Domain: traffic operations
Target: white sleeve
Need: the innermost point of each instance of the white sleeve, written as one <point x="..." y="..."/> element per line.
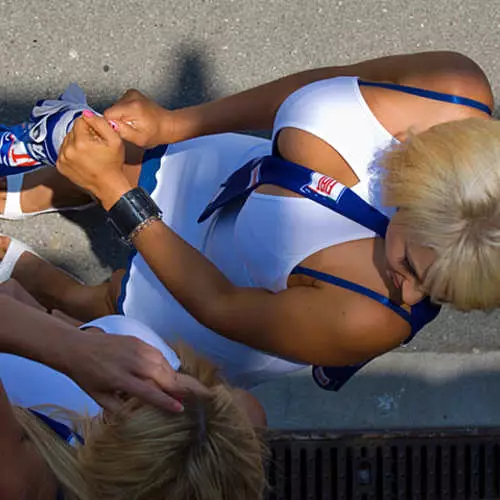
<point x="29" y="383"/>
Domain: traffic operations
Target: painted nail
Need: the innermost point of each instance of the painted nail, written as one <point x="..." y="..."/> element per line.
<point x="113" y="124"/>
<point x="178" y="407"/>
<point x="87" y="113"/>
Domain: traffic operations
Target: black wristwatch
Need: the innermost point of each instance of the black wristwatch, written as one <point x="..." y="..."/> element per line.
<point x="132" y="211"/>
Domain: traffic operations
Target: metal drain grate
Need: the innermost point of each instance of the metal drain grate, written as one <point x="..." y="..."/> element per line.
<point x="410" y="465"/>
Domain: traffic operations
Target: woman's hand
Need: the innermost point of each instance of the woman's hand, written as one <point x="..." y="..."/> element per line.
<point x="111" y="368"/>
<point x="141" y="121"/>
<point x="92" y="156"/>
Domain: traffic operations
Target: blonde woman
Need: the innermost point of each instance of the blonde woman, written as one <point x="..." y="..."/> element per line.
<point x="297" y="264"/>
<point x="56" y="443"/>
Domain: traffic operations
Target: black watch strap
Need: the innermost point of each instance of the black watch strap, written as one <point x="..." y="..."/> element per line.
<point x="132" y="210"/>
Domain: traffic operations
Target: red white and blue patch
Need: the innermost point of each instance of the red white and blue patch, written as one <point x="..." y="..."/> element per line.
<point x="326" y="186"/>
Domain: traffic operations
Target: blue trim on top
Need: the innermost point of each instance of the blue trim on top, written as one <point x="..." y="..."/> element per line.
<point x="318" y="188"/>
<point x="62" y="430"/>
<point x="148" y="181"/>
<point x="430" y="94"/>
<point x="349" y="285"/>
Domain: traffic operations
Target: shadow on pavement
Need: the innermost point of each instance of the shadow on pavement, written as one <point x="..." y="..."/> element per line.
<point x="191" y="87"/>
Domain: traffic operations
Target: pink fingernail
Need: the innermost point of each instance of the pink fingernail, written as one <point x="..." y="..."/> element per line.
<point x="113" y="124"/>
<point x="178" y="407"/>
<point x="87" y="113"/>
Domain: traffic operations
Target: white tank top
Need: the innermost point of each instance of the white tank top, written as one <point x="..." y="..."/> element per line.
<point x="273" y="234"/>
<point x="259" y="243"/>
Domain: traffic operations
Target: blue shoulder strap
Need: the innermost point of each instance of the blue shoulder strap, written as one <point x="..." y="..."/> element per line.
<point x="430" y="94"/>
<point x="62" y="430"/>
<point x="324" y="190"/>
<point x="301" y="180"/>
<point x="349" y="285"/>
<point x="337" y="197"/>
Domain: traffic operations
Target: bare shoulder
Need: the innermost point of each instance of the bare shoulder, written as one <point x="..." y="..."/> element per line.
<point x="448" y="72"/>
<point x="372" y="328"/>
<point x="343" y="327"/>
<point x="312" y="322"/>
<point x="440" y="71"/>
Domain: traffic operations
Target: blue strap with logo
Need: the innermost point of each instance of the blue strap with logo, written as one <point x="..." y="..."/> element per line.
<point x="301" y="180"/>
<point x="337" y="197"/>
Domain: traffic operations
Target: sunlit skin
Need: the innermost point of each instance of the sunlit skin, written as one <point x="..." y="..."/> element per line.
<point x="23" y="472"/>
<point x="298" y="322"/>
<point x="407" y="263"/>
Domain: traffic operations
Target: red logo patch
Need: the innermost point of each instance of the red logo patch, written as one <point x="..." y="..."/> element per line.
<point x="326" y="186"/>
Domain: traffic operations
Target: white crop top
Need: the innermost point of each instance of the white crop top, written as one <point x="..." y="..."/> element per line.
<point x="273" y="234"/>
<point x="29" y="383"/>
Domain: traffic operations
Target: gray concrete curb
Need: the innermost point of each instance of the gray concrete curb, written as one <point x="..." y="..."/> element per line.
<point x="399" y="390"/>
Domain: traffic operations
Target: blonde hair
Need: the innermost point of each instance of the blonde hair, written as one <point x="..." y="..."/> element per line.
<point x="211" y="451"/>
<point x="446" y="184"/>
<point x="60" y="457"/>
